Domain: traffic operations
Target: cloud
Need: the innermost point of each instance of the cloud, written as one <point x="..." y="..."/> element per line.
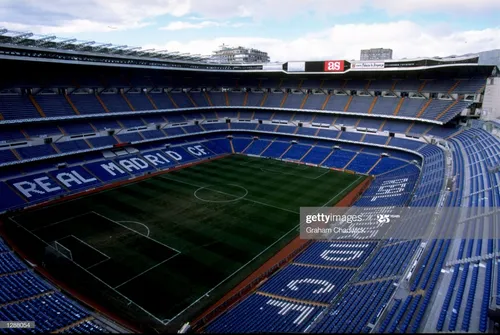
<point x="276" y="9"/>
<point x="464" y="7"/>
<point x="183" y="25"/>
<point x="72" y="27"/>
<point x="406" y="38"/>
<point x="59" y="16"/>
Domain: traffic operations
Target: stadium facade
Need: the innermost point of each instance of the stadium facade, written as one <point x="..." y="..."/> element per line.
<point x="75" y="120"/>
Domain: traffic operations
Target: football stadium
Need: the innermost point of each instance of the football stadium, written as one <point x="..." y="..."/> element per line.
<point x="149" y="192"/>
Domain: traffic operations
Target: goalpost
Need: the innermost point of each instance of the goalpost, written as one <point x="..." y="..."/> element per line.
<point x="63" y="250"/>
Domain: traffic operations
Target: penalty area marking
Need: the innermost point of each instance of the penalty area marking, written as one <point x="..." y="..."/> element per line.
<point x="142" y="224"/>
<point x="90" y="273"/>
<point x="149" y="238"/>
<point x="221" y="192"/>
<point x="147" y="270"/>
<point x="55" y="223"/>
<point x="135" y="231"/>
<point x="86" y="244"/>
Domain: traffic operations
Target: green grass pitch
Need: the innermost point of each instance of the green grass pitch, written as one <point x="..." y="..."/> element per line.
<point x="166" y="241"/>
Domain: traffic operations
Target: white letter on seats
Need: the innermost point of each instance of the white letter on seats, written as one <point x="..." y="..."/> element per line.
<point x="174" y="155"/>
<point x="201" y="149"/>
<point x="327" y="287"/>
<point x="110" y="167"/>
<point x="154" y="160"/>
<point x="342" y="253"/>
<point x="77" y="175"/>
<point x="46" y="186"/>
<point x="354" y="254"/>
<point x="194" y="151"/>
<point x="128" y="165"/>
<point x="26" y="191"/>
<point x="67" y="178"/>
<point x="139" y="162"/>
<point x="290" y="306"/>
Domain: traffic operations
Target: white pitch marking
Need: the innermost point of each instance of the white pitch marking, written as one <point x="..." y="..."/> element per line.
<point x="293" y="174"/>
<point x="142" y="224"/>
<point x="143" y="272"/>
<point x="104" y="260"/>
<point x="221" y="201"/>
<point x="149" y="238"/>
<point x="88" y="245"/>
<point x="245" y="199"/>
<point x="58" y="222"/>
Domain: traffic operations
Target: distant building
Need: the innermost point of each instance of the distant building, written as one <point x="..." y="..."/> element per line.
<point x="227" y="54"/>
<point x="376" y="54"/>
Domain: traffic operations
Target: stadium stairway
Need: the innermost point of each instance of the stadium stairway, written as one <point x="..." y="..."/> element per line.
<point x="398" y="107"/>
<point x="440" y="115"/>
<point x="127" y="101"/>
<point x="372" y="105"/>
<point x="37" y="106"/>
<point x="232" y="147"/>
<point x="66" y="96"/>
<point x="102" y="103"/>
<point x="422" y="111"/>
<point x="152" y="101"/>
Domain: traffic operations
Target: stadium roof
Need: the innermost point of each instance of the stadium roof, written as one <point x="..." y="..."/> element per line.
<point x="29" y="39"/>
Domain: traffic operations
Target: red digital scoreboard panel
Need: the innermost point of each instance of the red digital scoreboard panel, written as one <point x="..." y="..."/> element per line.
<point x="334" y="66"/>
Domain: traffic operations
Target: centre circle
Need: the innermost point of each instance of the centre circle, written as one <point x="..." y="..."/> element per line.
<point x="236" y="198"/>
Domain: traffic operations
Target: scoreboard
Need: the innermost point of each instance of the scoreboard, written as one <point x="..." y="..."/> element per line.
<point x="340" y="66"/>
<point x="319" y="66"/>
<point x="334" y="66"/>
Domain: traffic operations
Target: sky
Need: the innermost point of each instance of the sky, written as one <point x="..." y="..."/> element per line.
<point x="288" y="30"/>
